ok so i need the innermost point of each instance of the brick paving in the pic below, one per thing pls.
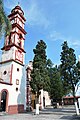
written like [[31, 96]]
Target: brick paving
[[67, 113]]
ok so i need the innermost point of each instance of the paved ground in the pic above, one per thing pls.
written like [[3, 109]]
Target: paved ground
[[66, 113]]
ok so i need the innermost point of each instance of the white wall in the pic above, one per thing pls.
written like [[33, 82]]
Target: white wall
[[16, 97], [47, 98]]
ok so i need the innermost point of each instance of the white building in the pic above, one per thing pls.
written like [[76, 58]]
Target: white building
[[12, 69]]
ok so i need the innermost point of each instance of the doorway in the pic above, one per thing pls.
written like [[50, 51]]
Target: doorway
[[44, 102], [3, 100]]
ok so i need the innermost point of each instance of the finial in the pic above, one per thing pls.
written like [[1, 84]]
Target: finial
[[18, 3]]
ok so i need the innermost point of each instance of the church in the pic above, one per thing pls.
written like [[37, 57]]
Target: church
[[12, 66]]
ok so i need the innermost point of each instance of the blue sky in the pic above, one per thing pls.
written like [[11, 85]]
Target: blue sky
[[53, 21]]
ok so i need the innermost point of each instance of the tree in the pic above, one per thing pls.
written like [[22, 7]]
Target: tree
[[56, 86], [39, 75], [78, 84], [5, 25], [69, 71], [78, 65], [49, 64]]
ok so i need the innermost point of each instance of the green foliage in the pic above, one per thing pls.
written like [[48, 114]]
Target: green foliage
[[40, 78], [78, 66], [5, 25], [56, 86], [69, 70], [49, 64]]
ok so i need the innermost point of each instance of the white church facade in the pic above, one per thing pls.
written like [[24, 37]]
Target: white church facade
[[12, 66]]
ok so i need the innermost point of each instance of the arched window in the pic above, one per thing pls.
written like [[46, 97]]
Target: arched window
[[19, 43], [20, 36], [9, 39]]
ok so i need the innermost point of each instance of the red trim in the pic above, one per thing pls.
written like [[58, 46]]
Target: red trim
[[11, 73], [14, 37], [5, 83], [11, 61], [7, 48], [13, 109], [17, 7], [17, 34], [17, 17], [19, 27], [14, 13], [20, 51], [13, 44], [19, 56]]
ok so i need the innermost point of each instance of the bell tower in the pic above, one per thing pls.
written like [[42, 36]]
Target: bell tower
[[12, 69], [13, 48]]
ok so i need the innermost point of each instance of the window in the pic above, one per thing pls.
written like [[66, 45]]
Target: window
[[17, 69], [5, 72], [17, 82], [16, 89], [9, 39], [20, 36], [19, 39], [19, 43], [12, 21]]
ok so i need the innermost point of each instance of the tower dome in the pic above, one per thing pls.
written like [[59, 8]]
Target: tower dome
[[17, 8]]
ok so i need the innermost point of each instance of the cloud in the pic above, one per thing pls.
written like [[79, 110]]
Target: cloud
[[56, 36], [36, 16], [74, 43]]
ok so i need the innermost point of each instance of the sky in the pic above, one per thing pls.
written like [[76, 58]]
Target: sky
[[53, 21]]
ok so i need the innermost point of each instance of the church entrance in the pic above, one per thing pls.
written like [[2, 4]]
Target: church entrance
[[3, 100]]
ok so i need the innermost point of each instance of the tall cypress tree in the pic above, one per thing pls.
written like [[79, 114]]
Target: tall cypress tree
[[69, 70], [40, 78]]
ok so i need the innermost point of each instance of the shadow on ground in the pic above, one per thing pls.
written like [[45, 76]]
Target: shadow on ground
[[64, 110], [74, 117]]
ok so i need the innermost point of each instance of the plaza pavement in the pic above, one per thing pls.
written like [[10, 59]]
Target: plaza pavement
[[65, 113]]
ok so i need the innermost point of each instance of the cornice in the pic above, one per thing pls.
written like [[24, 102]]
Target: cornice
[[14, 13], [3, 62], [5, 83], [19, 27], [11, 45]]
